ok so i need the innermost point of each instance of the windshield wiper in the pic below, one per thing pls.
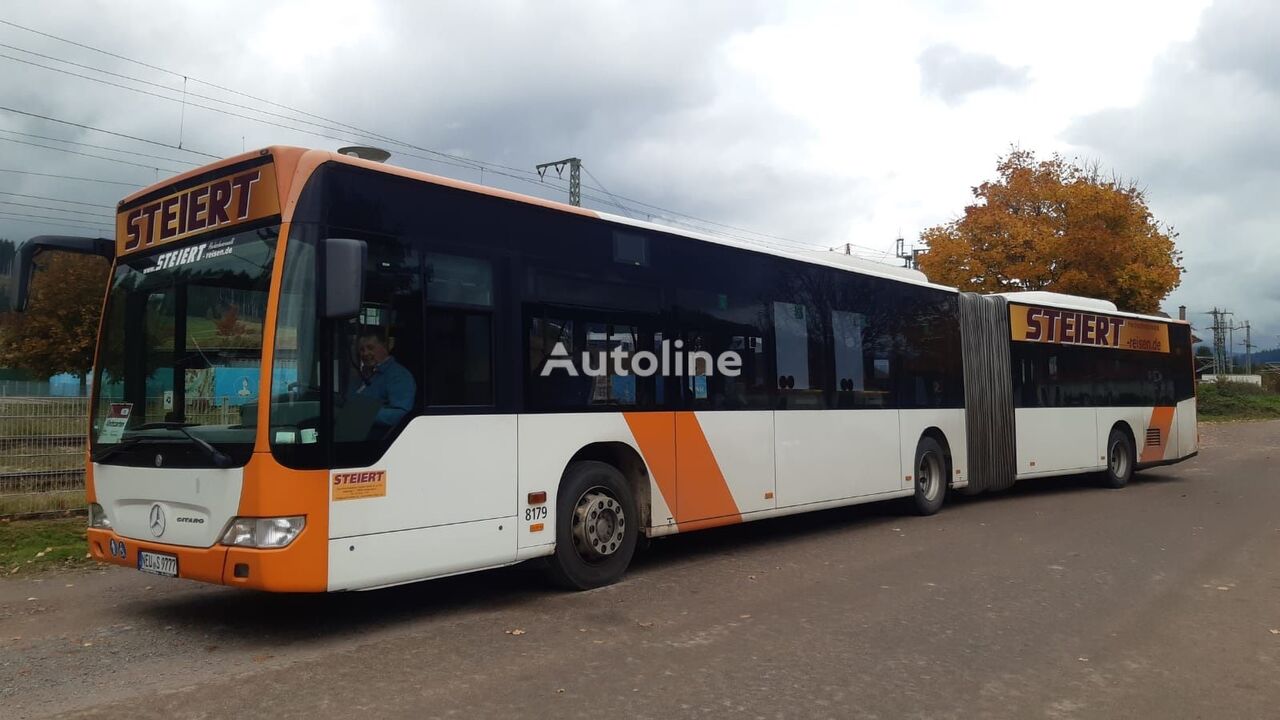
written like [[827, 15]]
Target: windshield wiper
[[220, 459]]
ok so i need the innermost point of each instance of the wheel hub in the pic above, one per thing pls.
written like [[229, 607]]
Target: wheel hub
[[599, 524], [927, 476], [1119, 459]]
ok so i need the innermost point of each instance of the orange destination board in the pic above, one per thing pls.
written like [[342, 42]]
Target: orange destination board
[[242, 196], [1029, 323]]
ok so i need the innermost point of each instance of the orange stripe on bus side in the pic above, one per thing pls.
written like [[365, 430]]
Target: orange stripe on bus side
[[1162, 420], [685, 468], [656, 435], [704, 493]]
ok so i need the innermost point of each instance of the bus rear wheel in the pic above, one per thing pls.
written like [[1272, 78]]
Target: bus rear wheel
[[931, 477], [1120, 455], [596, 527]]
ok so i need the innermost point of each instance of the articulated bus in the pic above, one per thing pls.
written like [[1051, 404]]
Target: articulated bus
[[317, 373]]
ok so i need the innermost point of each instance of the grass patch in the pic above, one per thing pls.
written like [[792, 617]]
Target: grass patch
[[30, 545], [1236, 401], [53, 501]]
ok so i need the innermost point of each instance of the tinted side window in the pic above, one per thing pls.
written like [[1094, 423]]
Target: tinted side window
[[726, 324], [378, 356], [582, 359], [802, 296], [1180, 366], [1046, 375], [864, 320], [930, 374], [459, 330]]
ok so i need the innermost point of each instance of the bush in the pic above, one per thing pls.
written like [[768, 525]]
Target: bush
[[1223, 400], [1236, 389]]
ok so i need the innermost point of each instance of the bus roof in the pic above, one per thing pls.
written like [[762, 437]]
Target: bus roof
[[290, 160], [1079, 302]]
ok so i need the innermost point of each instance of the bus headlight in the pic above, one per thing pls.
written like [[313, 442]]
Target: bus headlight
[[98, 517], [263, 532]]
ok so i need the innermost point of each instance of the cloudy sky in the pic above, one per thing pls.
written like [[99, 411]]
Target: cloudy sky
[[819, 123]]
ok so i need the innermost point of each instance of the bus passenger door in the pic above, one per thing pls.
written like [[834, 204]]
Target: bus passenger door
[[724, 440]]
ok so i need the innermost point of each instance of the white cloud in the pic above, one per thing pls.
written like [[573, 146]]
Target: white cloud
[[812, 120], [953, 74], [1204, 142]]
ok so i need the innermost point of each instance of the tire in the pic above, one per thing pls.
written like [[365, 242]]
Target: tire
[[1120, 459], [596, 527], [932, 476]]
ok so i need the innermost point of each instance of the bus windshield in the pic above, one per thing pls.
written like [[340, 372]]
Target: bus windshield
[[180, 353]]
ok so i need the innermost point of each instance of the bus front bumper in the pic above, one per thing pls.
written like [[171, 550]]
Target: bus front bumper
[[272, 570]]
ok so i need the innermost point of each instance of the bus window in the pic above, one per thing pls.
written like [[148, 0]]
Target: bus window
[[459, 331], [588, 360], [846, 334], [552, 340], [377, 360], [724, 322], [610, 349], [798, 351]]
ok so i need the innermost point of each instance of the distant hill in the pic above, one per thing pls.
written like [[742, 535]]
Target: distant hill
[[1259, 358]]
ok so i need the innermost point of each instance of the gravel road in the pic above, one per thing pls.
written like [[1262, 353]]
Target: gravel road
[[1057, 600]]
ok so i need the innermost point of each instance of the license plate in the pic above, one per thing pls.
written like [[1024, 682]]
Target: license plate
[[158, 563]]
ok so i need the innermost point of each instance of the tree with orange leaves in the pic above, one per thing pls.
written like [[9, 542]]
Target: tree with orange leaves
[[1054, 225], [56, 334]]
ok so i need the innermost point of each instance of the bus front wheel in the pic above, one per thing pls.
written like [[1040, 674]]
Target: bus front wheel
[[596, 527], [931, 476], [1120, 456]]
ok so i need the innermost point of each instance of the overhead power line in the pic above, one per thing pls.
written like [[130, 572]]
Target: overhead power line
[[73, 202], [99, 157], [64, 222], [449, 159], [612, 199], [457, 161], [101, 147], [55, 209], [185, 94], [72, 177], [109, 132], [169, 72], [337, 124]]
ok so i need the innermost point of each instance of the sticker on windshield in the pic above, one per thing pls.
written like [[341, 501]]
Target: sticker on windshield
[[192, 254], [113, 425]]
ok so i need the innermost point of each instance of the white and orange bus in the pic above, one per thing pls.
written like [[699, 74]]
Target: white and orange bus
[[316, 372]]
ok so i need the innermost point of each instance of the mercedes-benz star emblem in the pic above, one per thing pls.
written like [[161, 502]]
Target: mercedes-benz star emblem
[[159, 460], [157, 520]]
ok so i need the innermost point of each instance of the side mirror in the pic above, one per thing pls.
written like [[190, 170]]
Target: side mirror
[[344, 265], [24, 261]]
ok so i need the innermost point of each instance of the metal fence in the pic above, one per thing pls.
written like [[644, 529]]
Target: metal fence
[[42, 454], [42, 448]]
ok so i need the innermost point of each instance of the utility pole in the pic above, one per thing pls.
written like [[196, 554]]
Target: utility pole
[[1248, 350], [1228, 344], [575, 176], [1221, 354]]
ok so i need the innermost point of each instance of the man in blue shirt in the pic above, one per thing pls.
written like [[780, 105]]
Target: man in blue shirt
[[383, 378]]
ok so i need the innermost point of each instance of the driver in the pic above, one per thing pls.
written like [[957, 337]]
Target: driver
[[382, 378]]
